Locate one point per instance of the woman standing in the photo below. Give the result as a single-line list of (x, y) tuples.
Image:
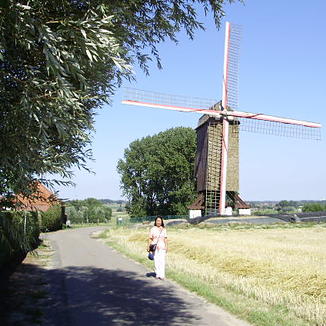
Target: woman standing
[(158, 236)]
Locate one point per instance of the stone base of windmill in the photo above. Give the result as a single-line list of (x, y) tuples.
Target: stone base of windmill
[(244, 211), (228, 211), (193, 213)]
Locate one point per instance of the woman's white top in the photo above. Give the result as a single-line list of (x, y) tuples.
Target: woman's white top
[(158, 235)]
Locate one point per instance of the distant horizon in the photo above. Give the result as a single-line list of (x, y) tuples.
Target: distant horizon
[(248, 201)]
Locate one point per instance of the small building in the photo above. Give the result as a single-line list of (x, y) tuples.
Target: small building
[(40, 201)]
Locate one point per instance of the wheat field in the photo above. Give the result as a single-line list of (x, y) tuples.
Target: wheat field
[(268, 276)]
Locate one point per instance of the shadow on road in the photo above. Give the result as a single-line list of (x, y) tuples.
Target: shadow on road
[(92, 296)]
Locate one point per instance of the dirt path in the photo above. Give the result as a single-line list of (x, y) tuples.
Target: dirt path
[(91, 284)]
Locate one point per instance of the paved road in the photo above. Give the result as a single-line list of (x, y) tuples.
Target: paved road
[(92, 284)]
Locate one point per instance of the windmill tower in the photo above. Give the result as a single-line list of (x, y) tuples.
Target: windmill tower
[(217, 159), (208, 166)]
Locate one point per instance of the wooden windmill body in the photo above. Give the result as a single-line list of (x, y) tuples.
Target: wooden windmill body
[(208, 166), (217, 159)]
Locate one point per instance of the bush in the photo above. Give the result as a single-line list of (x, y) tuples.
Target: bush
[(314, 207), (51, 220), (101, 214), (19, 233), (88, 211)]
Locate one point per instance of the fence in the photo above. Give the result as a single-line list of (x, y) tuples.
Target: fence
[(152, 218)]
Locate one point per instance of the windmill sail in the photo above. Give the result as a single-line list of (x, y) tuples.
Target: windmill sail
[(231, 66), (219, 165), (252, 122)]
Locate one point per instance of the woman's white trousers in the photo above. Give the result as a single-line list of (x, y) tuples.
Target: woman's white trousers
[(159, 260)]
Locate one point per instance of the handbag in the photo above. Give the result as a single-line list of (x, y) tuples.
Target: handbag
[(152, 248)]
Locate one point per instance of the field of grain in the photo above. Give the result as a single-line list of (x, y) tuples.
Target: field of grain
[(268, 276)]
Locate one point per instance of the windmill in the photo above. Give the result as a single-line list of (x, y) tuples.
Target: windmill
[(217, 159)]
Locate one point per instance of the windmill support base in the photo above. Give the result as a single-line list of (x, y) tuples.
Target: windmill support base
[(193, 213), (234, 202), (244, 211)]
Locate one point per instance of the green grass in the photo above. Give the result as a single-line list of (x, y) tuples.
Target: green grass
[(237, 304)]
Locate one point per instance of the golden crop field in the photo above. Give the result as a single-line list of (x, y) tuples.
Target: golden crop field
[(268, 276)]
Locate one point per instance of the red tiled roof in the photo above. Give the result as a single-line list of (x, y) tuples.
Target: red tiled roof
[(41, 200)]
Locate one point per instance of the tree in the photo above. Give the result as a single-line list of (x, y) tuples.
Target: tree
[(286, 206), (62, 59), (92, 202), (314, 207), (51, 79), (90, 210), (157, 173), (99, 214)]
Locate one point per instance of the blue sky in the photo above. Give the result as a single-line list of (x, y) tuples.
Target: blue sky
[(282, 73)]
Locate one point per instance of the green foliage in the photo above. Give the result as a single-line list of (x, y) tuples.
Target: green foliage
[(314, 207), (72, 214), (265, 211), (92, 202), (51, 220), (90, 210), (286, 203), (157, 173), (110, 201), (286, 206), (50, 80), (59, 61), (19, 233)]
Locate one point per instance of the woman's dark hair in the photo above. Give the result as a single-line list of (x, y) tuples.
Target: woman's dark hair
[(161, 220)]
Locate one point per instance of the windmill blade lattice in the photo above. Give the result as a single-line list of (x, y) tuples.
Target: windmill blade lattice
[(133, 96), (231, 66), (211, 107), (280, 129)]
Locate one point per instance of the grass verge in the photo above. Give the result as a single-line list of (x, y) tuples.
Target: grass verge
[(26, 291)]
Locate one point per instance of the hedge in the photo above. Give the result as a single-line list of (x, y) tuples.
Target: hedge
[(19, 234), (51, 220)]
